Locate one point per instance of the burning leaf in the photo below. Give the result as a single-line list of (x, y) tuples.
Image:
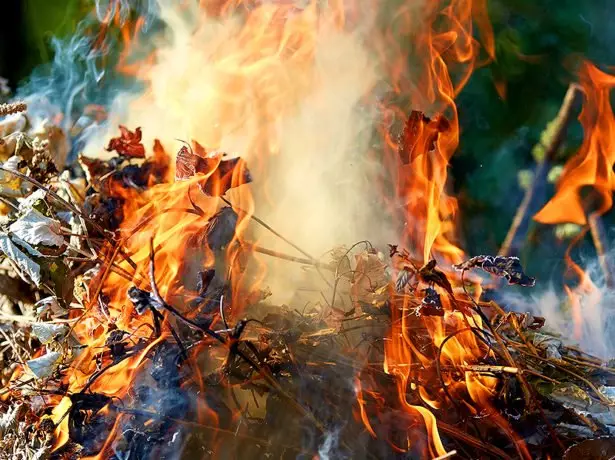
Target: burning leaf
[(46, 332), (507, 267), (219, 174), (128, 144), (27, 265), (431, 275), (420, 135), (431, 304), (45, 365), (35, 228), (220, 229)]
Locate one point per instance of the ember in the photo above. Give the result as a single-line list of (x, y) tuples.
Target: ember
[(148, 328)]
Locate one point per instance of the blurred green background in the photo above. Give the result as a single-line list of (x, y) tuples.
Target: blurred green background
[(538, 44)]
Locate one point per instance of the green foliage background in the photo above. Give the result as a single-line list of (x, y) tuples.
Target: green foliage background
[(538, 45)]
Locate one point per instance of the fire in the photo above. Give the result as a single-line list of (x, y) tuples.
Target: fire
[(592, 166), (584, 190), (448, 53), (248, 86)]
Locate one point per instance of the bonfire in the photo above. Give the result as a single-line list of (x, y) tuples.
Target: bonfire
[(155, 304)]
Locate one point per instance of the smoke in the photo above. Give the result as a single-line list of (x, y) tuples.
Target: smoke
[(289, 90), (586, 319), (329, 447)]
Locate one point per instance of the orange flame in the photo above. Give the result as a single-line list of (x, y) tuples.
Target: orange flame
[(593, 164), (445, 48)]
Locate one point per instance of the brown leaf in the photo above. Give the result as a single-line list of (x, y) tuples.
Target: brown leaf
[(220, 175), (128, 144), (420, 135)]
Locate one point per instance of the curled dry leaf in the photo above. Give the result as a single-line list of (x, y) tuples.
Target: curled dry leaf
[(549, 344), (506, 267), (50, 305), (45, 365), (128, 144), (34, 228)]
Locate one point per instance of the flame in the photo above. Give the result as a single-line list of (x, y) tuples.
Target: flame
[(592, 166), (419, 160), (445, 47), (254, 76), (584, 190)]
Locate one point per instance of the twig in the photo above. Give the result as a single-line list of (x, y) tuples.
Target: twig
[(489, 369), (281, 255), (14, 347), (283, 238), (518, 229), (470, 440)]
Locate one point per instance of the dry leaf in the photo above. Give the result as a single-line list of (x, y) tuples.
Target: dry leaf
[(45, 365), (34, 228)]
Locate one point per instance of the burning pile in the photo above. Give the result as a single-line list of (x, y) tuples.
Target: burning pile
[(131, 357), (136, 321)]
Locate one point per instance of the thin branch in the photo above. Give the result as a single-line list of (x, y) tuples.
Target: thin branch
[(518, 228)]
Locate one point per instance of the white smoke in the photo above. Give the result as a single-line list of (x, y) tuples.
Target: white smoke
[(592, 328), (295, 114)]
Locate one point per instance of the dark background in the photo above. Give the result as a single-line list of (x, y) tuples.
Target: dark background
[(538, 46)]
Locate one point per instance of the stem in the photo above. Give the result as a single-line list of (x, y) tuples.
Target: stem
[(518, 229)]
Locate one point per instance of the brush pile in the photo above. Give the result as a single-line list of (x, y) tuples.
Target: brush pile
[(210, 370)]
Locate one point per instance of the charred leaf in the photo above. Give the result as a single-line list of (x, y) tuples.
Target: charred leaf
[(505, 267), (142, 300), (431, 305), (431, 275)]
